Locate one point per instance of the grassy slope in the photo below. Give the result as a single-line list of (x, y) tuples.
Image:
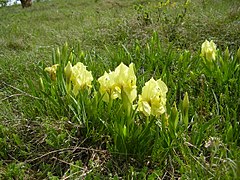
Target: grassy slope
[(28, 36)]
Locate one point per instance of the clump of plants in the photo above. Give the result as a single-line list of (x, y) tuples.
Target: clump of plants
[(138, 112)]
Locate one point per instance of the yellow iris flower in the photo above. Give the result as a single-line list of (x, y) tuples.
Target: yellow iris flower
[(209, 50), (80, 77), (120, 82), (152, 101), (108, 87), (52, 71), (126, 80)]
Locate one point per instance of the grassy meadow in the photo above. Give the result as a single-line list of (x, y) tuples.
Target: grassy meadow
[(153, 105)]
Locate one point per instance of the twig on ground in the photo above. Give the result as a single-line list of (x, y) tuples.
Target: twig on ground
[(65, 149), (23, 93)]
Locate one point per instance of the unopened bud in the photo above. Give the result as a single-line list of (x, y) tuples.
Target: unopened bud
[(68, 70), (185, 103), (226, 53), (192, 75), (174, 115), (70, 57), (148, 48), (65, 47), (57, 54), (82, 55), (238, 54), (174, 109), (124, 131), (41, 83), (185, 107), (137, 49)]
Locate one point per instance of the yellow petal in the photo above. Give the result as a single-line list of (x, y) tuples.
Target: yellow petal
[(108, 87), (52, 71), (209, 50), (80, 77), (153, 96), (146, 108), (162, 86), (125, 78)]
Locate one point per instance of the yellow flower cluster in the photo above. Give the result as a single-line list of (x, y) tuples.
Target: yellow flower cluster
[(122, 80), (120, 83), (152, 101), (209, 50), (79, 76), (108, 87)]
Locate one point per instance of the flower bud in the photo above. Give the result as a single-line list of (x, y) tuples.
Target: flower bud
[(57, 55), (65, 47), (174, 110), (185, 107), (226, 53), (124, 131), (68, 70), (82, 55), (185, 103), (174, 115), (238, 54), (71, 57), (137, 49), (208, 50), (52, 71), (41, 83)]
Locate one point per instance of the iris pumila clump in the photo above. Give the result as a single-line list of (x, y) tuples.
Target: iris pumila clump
[(152, 101), (209, 50), (120, 83)]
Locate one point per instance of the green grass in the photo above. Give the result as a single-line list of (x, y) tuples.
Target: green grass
[(53, 135)]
